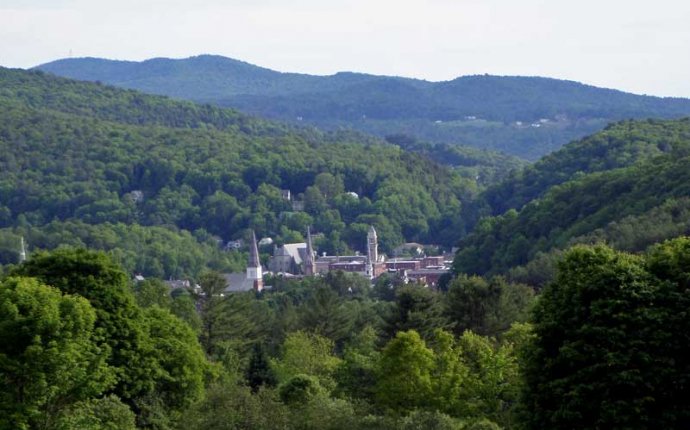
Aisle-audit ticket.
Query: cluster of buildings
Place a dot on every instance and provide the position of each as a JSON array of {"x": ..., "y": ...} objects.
[{"x": 300, "y": 260}]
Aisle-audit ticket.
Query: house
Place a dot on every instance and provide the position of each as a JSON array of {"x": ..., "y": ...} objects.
[{"x": 234, "y": 245}]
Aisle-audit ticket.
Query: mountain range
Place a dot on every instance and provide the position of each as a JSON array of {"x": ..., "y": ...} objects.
[{"x": 523, "y": 116}]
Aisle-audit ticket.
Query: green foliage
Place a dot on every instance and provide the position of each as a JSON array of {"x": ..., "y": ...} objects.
[
  {"x": 233, "y": 407},
  {"x": 259, "y": 372},
  {"x": 449, "y": 375},
  {"x": 184, "y": 307},
  {"x": 356, "y": 374},
  {"x": 404, "y": 373},
  {"x": 622, "y": 144},
  {"x": 483, "y": 424},
  {"x": 202, "y": 170},
  {"x": 422, "y": 420},
  {"x": 416, "y": 308},
  {"x": 299, "y": 389},
  {"x": 323, "y": 313},
  {"x": 632, "y": 206},
  {"x": 153, "y": 292},
  {"x": 611, "y": 341},
  {"x": 485, "y": 307},
  {"x": 181, "y": 365},
  {"x": 95, "y": 277},
  {"x": 49, "y": 359},
  {"x": 307, "y": 354},
  {"x": 323, "y": 412},
  {"x": 107, "y": 413},
  {"x": 407, "y": 384},
  {"x": 159, "y": 364},
  {"x": 234, "y": 322},
  {"x": 152, "y": 251},
  {"x": 492, "y": 387}
]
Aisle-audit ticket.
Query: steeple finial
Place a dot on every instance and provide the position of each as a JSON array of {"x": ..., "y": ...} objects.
[
  {"x": 309, "y": 263},
  {"x": 254, "y": 272},
  {"x": 22, "y": 252},
  {"x": 372, "y": 251},
  {"x": 253, "y": 252}
]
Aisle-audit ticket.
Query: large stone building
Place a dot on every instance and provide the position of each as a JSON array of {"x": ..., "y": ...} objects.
[
  {"x": 288, "y": 258},
  {"x": 370, "y": 265},
  {"x": 294, "y": 258}
]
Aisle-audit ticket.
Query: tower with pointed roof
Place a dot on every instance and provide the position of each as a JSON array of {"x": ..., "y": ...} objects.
[
  {"x": 22, "y": 252},
  {"x": 254, "y": 272},
  {"x": 309, "y": 262},
  {"x": 372, "y": 251}
]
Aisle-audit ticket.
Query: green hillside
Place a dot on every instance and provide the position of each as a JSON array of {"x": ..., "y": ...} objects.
[
  {"x": 627, "y": 186},
  {"x": 81, "y": 152},
  {"x": 524, "y": 116},
  {"x": 619, "y": 145}
]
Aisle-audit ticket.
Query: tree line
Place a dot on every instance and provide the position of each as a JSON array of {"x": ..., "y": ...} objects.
[{"x": 604, "y": 344}]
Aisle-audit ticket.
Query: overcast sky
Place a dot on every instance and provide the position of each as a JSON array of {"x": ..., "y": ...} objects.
[{"x": 634, "y": 45}]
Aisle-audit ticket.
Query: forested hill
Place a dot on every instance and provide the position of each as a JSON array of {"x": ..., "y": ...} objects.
[
  {"x": 619, "y": 145},
  {"x": 159, "y": 181},
  {"x": 628, "y": 186},
  {"x": 524, "y": 116}
]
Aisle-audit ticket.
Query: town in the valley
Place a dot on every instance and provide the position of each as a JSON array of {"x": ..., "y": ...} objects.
[
  {"x": 409, "y": 263},
  {"x": 297, "y": 260}
]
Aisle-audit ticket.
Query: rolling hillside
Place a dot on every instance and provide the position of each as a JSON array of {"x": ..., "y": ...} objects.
[
  {"x": 628, "y": 186},
  {"x": 524, "y": 116},
  {"x": 109, "y": 165}
]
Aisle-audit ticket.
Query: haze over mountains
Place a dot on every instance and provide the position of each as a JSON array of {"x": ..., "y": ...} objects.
[{"x": 524, "y": 116}]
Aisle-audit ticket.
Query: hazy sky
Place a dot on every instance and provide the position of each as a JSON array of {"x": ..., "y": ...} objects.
[{"x": 640, "y": 46}]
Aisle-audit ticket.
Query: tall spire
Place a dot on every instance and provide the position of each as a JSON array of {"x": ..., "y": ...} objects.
[
  {"x": 22, "y": 252},
  {"x": 253, "y": 253},
  {"x": 254, "y": 272},
  {"x": 309, "y": 263},
  {"x": 372, "y": 251}
]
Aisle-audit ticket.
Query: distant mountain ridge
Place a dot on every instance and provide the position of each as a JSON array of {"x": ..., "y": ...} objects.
[{"x": 524, "y": 116}]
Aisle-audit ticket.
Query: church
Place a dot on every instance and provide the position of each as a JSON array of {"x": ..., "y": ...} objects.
[{"x": 252, "y": 279}]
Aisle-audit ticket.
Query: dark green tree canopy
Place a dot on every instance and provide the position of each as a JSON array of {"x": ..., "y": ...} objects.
[{"x": 609, "y": 347}]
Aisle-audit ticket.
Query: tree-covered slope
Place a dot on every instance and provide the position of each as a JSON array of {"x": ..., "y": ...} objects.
[
  {"x": 648, "y": 177},
  {"x": 619, "y": 145},
  {"x": 524, "y": 116},
  {"x": 85, "y": 152}
]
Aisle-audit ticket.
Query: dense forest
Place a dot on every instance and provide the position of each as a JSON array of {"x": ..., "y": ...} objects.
[
  {"x": 524, "y": 116},
  {"x": 168, "y": 172},
  {"x": 627, "y": 186},
  {"x": 606, "y": 347}
]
